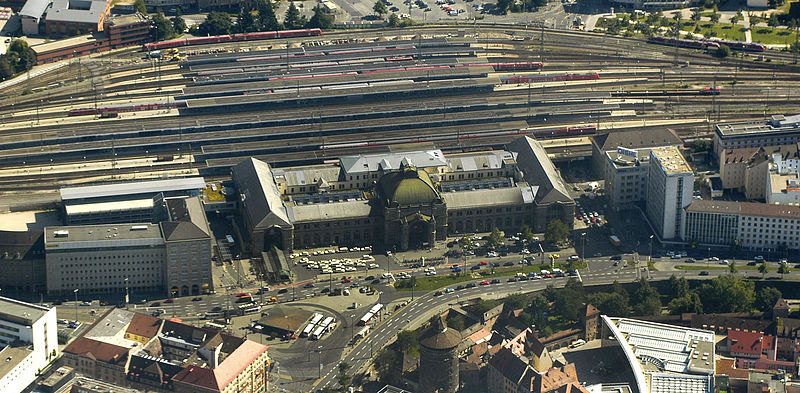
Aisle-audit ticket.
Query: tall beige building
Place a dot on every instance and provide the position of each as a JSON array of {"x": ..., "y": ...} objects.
[{"x": 187, "y": 239}]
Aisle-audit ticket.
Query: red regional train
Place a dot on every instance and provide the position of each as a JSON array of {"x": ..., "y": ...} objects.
[{"x": 267, "y": 35}]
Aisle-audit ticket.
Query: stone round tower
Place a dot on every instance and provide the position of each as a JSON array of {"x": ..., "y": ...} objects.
[{"x": 438, "y": 358}]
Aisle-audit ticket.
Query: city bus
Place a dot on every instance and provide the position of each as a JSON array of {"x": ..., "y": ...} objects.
[
  {"x": 312, "y": 323},
  {"x": 250, "y": 308},
  {"x": 366, "y": 319}
]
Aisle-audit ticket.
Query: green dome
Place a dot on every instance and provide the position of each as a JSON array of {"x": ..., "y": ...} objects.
[{"x": 408, "y": 186}]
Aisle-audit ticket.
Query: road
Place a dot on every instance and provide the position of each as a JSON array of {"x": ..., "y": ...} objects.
[{"x": 422, "y": 308}]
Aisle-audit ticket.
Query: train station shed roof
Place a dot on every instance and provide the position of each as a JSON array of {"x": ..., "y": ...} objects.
[{"x": 132, "y": 188}]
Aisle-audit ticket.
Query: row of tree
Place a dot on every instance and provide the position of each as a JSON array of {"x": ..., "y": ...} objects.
[{"x": 18, "y": 58}]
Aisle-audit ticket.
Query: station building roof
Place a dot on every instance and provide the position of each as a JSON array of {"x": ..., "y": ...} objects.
[
  {"x": 392, "y": 161},
  {"x": 132, "y": 188}
]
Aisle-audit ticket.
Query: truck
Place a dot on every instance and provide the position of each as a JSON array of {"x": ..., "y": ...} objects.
[{"x": 614, "y": 240}]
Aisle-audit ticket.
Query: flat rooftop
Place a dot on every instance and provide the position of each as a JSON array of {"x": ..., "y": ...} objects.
[
  {"x": 777, "y": 123},
  {"x": 20, "y": 312},
  {"x": 392, "y": 161},
  {"x": 101, "y": 235},
  {"x": 108, "y": 207},
  {"x": 671, "y": 160},
  {"x": 132, "y": 188},
  {"x": 111, "y": 329},
  {"x": 13, "y": 356}
]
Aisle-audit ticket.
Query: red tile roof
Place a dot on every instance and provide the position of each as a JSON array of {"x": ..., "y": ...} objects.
[
  {"x": 233, "y": 365},
  {"x": 726, "y": 367},
  {"x": 98, "y": 350},
  {"x": 751, "y": 343},
  {"x": 144, "y": 325}
]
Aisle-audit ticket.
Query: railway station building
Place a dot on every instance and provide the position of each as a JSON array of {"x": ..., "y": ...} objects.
[{"x": 400, "y": 199}]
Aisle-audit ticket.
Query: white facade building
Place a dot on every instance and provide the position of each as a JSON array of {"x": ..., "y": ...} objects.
[
  {"x": 755, "y": 226},
  {"x": 669, "y": 190},
  {"x": 28, "y": 334}
]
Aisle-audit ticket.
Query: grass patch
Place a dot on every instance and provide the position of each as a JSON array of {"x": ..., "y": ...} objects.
[
  {"x": 769, "y": 35},
  {"x": 720, "y": 30},
  {"x": 430, "y": 283}
]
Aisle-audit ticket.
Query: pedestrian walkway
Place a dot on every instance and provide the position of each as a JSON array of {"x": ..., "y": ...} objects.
[{"x": 747, "y": 36}]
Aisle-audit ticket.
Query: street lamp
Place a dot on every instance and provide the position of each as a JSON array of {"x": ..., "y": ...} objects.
[
  {"x": 127, "y": 294},
  {"x": 352, "y": 328},
  {"x": 379, "y": 302},
  {"x": 583, "y": 251},
  {"x": 76, "y": 304},
  {"x": 319, "y": 362}
]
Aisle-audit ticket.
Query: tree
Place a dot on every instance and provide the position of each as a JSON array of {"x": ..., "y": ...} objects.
[
  {"x": 344, "y": 378},
  {"x": 162, "y": 27},
  {"x": 732, "y": 267},
  {"x": 387, "y": 363},
  {"x": 267, "y": 21},
  {"x": 689, "y": 303},
  {"x": 696, "y": 14},
  {"x": 320, "y": 19},
  {"x": 394, "y": 20},
  {"x": 379, "y": 8},
  {"x": 766, "y": 298},
  {"x": 678, "y": 286},
  {"x": 503, "y": 6},
  {"x": 714, "y": 16},
  {"x": 727, "y": 293},
  {"x": 525, "y": 233},
  {"x": 516, "y": 301},
  {"x": 773, "y": 20},
  {"x": 701, "y": 146},
  {"x": 407, "y": 342},
  {"x": 6, "y": 70},
  {"x": 495, "y": 239},
  {"x": 465, "y": 242},
  {"x": 292, "y": 19},
  {"x": 722, "y": 52},
  {"x": 178, "y": 25},
  {"x": 783, "y": 269},
  {"x": 610, "y": 303},
  {"x": 556, "y": 232},
  {"x": 763, "y": 269},
  {"x": 246, "y": 23},
  {"x": 140, "y": 7},
  {"x": 646, "y": 299},
  {"x": 539, "y": 308},
  {"x": 216, "y": 23}
]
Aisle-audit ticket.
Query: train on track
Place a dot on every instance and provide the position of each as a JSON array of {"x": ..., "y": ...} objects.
[
  {"x": 495, "y": 66},
  {"x": 561, "y": 132},
  {"x": 708, "y": 44},
  {"x": 126, "y": 108},
  {"x": 549, "y": 78},
  {"x": 706, "y": 91},
  {"x": 267, "y": 35}
]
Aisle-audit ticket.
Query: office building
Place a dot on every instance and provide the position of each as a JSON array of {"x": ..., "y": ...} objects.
[
  {"x": 32, "y": 15},
  {"x": 400, "y": 199},
  {"x": 75, "y": 17},
  {"x": 99, "y": 258},
  {"x": 22, "y": 267},
  {"x": 754, "y": 226},
  {"x": 622, "y": 159},
  {"x": 28, "y": 338},
  {"x": 123, "y": 202},
  {"x": 748, "y": 170},
  {"x": 188, "y": 246},
  {"x": 779, "y": 130},
  {"x": 669, "y": 191}
]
